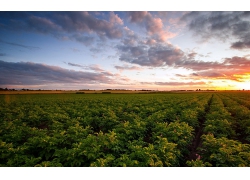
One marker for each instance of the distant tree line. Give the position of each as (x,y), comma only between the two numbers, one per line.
(6,89)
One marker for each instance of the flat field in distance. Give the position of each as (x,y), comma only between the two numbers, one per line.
(73,92)
(129,129)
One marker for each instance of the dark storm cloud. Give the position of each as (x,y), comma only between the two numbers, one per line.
(221,25)
(27,73)
(20,45)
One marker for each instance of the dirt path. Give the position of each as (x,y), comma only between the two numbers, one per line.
(194,152)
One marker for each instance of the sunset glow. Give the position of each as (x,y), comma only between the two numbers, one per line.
(125,50)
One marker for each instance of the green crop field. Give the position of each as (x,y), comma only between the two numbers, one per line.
(82,130)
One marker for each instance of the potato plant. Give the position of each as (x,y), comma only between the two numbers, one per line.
(127,130)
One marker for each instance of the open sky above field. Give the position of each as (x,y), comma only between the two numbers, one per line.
(164,50)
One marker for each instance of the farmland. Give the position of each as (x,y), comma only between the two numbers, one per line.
(156,129)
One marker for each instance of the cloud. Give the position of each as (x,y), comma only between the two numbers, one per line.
(174,83)
(221,25)
(126,67)
(179,83)
(210,74)
(131,38)
(234,64)
(234,68)
(2,54)
(180,75)
(208,54)
(155,56)
(93,67)
(148,52)
(238,62)
(20,45)
(42,25)
(198,65)
(111,57)
(60,24)
(114,18)
(27,73)
(86,40)
(75,65)
(194,74)
(96,50)
(241,45)
(151,42)
(192,55)
(137,16)
(85,22)
(154,25)
(223,74)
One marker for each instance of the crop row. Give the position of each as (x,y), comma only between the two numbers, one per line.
(124,130)
(221,144)
(107,130)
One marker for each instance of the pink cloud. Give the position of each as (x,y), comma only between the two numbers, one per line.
(114,18)
(153,25)
(174,20)
(151,42)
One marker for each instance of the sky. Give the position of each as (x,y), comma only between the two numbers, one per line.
(156,50)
